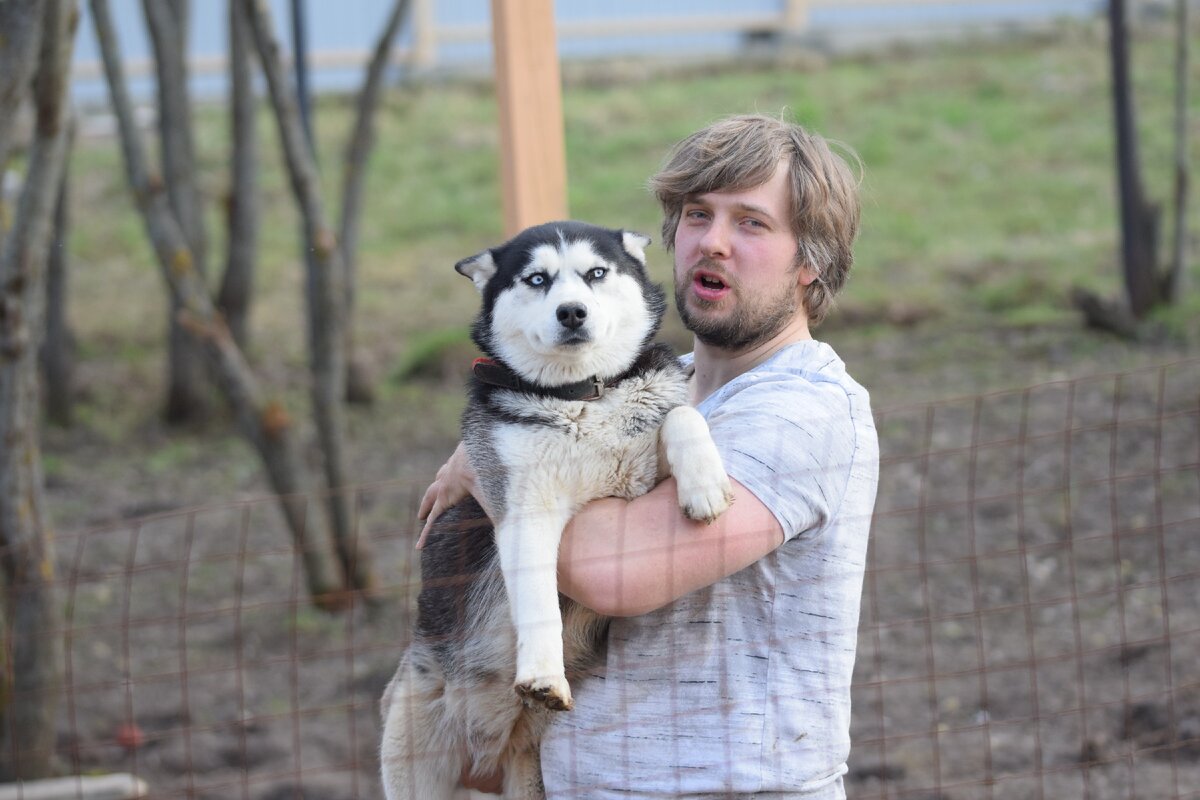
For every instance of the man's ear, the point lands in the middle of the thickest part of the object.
(479, 268)
(635, 244)
(806, 274)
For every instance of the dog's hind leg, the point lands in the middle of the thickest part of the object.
(523, 765)
(523, 778)
(527, 540)
(417, 759)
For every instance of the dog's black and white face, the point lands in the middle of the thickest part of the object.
(565, 301)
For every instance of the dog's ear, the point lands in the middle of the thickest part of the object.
(635, 244)
(479, 268)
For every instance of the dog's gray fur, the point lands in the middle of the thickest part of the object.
(562, 303)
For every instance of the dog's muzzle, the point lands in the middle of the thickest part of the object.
(572, 315)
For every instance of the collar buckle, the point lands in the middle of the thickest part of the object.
(597, 390)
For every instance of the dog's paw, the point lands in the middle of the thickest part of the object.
(553, 693)
(703, 488)
(705, 501)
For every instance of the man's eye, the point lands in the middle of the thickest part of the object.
(536, 279)
(597, 273)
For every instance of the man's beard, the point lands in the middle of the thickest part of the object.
(749, 325)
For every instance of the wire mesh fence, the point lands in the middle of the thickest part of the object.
(1030, 623)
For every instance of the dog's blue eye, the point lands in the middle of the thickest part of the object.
(536, 279)
(597, 273)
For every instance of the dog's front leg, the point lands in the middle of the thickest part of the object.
(527, 540)
(688, 450)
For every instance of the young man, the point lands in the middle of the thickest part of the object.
(729, 662)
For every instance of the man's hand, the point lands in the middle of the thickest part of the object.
(454, 481)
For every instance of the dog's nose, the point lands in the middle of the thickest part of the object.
(572, 315)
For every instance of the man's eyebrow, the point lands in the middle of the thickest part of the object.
(753, 209)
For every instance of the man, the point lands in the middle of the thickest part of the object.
(729, 662)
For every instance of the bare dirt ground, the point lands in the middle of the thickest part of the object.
(1031, 619)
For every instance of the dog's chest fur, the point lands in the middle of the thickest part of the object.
(574, 451)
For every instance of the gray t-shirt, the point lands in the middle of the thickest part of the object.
(744, 687)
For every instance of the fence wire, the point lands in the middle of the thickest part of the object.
(1030, 622)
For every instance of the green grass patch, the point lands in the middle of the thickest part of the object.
(988, 192)
(428, 353)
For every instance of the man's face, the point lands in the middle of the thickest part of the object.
(736, 280)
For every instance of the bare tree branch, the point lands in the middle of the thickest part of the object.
(21, 22)
(32, 672)
(166, 23)
(263, 422)
(300, 69)
(325, 291)
(241, 205)
(1175, 269)
(1139, 219)
(357, 150)
(57, 352)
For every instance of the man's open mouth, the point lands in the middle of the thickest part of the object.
(709, 286)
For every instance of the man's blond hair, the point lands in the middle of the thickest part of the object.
(742, 152)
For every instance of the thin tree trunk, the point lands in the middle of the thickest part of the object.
(1139, 220)
(325, 293)
(300, 67)
(166, 21)
(59, 345)
(21, 22)
(237, 284)
(264, 423)
(32, 649)
(1175, 271)
(358, 384)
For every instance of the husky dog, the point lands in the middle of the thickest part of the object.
(572, 403)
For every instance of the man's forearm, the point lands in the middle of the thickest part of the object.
(629, 557)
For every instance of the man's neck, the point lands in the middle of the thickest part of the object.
(717, 366)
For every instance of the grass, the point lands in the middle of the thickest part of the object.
(988, 189)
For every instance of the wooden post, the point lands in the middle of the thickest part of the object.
(533, 159)
(795, 16)
(424, 47)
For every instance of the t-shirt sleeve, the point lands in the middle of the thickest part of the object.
(790, 441)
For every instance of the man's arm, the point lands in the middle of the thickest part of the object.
(622, 558)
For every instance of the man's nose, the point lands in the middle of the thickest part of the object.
(715, 241)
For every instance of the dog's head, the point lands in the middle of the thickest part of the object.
(565, 301)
